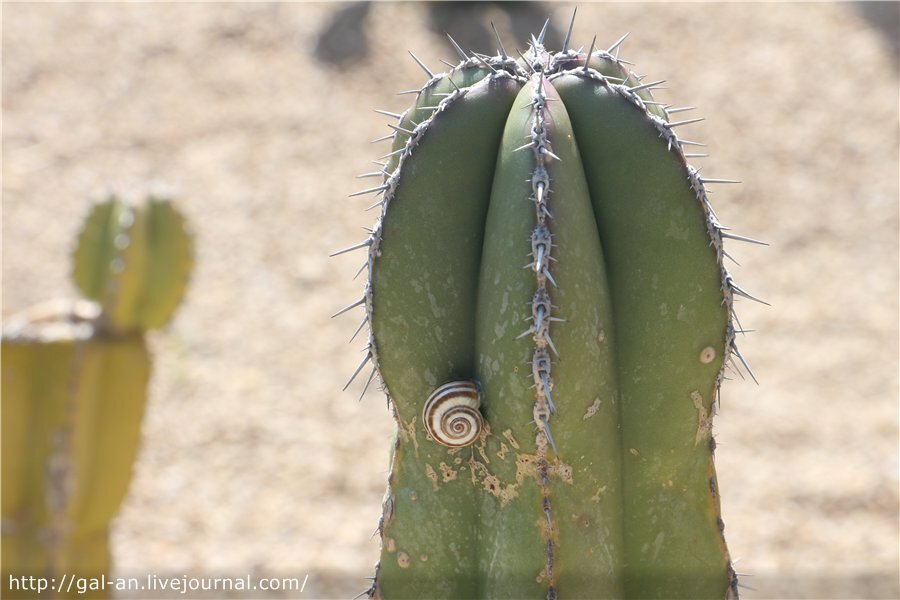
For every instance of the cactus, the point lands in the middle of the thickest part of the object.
(544, 245)
(74, 385)
(135, 261)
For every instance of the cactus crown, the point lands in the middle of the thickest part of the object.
(544, 245)
(135, 260)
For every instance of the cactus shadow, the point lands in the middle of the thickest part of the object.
(343, 40)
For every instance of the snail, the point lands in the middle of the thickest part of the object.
(451, 414)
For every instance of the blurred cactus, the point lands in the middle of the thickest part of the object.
(135, 261)
(74, 385)
(545, 246)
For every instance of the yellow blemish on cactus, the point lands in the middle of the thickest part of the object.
(413, 495)
(480, 446)
(707, 355)
(403, 560)
(432, 476)
(390, 545)
(564, 471)
(507, 494)
(448, 472)
(592, 409)
(424, 558)
(526, 466)
(501, 454)
(411, 430)
(599, 494)
(509, 438)
(548, 531)
(407, 433)
(473, 470)
(704, 420)
(492, 484)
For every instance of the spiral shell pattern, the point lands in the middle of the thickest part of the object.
(451, 414)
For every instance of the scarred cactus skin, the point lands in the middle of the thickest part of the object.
(134, 259)
(74, 388)
(543, 239)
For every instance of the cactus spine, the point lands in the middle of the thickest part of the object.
(543, 238)
(74, 390)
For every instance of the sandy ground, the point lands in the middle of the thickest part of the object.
(254, 461)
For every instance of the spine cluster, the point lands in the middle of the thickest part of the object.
(541, 253)
(541, 309)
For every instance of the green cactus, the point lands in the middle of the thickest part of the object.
(544, 244)
(74, 386)
(135, 261)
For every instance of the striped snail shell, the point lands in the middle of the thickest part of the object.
(451, 414)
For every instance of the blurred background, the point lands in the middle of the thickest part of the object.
(258, 117)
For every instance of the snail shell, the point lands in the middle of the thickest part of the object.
(451, 414)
